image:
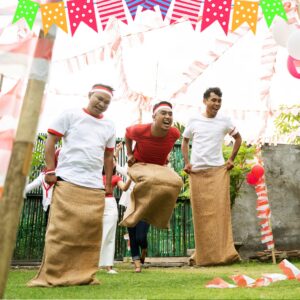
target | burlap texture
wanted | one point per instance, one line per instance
(73, 237)
(210, 199)
(154, 195)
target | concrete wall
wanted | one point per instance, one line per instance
(282, 170)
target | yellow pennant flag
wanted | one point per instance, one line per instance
(54, 13)
(245, 11)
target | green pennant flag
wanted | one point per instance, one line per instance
(26, 9)
(271, 8)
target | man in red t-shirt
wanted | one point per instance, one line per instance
(154, 141)
(147, 167)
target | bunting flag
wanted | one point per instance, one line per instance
(245, 11)
(163, 6)
(291, 271)
(272, 8)
(216, 10)
(189, 9)
(109, 8)
(26, 9)
(263, 209)
(81, 11)
(243, 280)
(10, 102)
(15, 57)
(54, 13)
(133, 5)
(219, 283)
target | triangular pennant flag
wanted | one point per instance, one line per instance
(133, 5)
(26, 9)
(273, 277)
(10, 102)
(272, 8)
(107, 9)
(81, 11)
(289, 269)
(245, 11)
(242, 280)
(54, 13)
(219, 283)
(216, 10)
(163, 5)
(189, 10)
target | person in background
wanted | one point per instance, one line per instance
(46, 188)
(110, 220)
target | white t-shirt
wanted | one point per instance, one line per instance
(85, 139)
(207, 136)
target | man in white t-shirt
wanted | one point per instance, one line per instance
(73, 237)
(210, 181)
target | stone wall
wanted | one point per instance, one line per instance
(282, 170)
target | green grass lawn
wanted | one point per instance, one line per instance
(159, 283)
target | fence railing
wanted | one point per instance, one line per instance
(162, 242)
(169, 242)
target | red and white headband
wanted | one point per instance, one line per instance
(162, 107)
(101, 89)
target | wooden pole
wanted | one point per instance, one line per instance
(11, 202)
(273, 250)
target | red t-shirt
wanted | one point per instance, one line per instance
(114, 181)
(151, 149)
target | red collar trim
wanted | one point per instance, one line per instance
(98, 117)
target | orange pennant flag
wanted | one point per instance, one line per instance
(245, 11)
(54, 13)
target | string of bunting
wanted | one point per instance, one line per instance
(69, 16)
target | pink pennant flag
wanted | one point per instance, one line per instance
(263, 281)
(274, 277)
(189, 9)
(264, 223)
(264, 214)
(81, 11)
(216, 10)
(10, 103)
(107, 9)
(267, 238)
(266, 230)
(270, 245)
(242, 280)
(219, 283)
(262, 207)
(290, 270)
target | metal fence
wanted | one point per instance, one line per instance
(168, 242)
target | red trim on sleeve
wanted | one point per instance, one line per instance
(52, 131)
(109, 149)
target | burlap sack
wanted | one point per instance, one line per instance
(154, 195)
(73, 237)
(210, 199)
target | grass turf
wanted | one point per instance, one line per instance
(159, 283)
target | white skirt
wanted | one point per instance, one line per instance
(110, 220)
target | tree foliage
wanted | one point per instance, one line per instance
(288, 123)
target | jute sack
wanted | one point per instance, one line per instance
(210, 199)
(154, 195)
(73, 237)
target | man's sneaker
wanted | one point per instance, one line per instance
(112, 272)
